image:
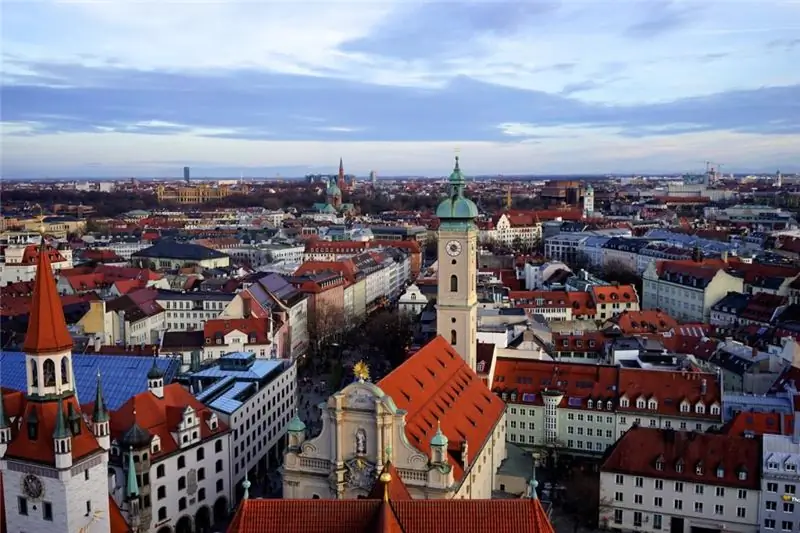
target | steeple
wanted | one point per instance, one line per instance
(100, 419)
(132, 492)
(439, 446)
(47, 330)
(246, 487)
(155, 379)
(340, 180)
(62, 439)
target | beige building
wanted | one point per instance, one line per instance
(433, 416)
(445, 441)
(509, 230)
(664, 480)
(687, 290)
(584, 409)
(198, 194)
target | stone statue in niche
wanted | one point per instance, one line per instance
(361, 442)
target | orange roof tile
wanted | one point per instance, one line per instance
(631, 322)
(605, 294)
(687, 456)
(436, 384)
(47, 329)
(116, 519)
(411, 516)
(670, 390)
(754, 423)
(161, 416)
(252, 327)
(40, 449)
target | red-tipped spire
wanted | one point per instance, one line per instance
(47, 329)
(341, 183)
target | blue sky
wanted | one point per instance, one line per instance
(120, 88)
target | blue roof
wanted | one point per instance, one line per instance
(259, 369)
(228, 403)
(123, 375)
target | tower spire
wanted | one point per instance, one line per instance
(340, 179)
(100, 413)
(47, 328)
(131, 485)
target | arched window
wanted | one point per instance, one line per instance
(49, 373)
(453, 337)
(453, 283)
(34, 374)
(64, 370)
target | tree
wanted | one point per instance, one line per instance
(616, 271)
(390, 334)
(326, 326)
(582, 500)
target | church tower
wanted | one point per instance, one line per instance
(457, 299)
(53, 468)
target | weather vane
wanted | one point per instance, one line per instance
(361, 371)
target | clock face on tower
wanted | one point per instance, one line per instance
(453, 248)
(32, 487)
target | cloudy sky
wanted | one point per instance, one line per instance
(260, 87)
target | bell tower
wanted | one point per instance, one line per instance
(457, 300)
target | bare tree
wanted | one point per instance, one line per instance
(582, 500)
(326, 326)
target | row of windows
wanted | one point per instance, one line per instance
(658, 484)
(47, 508)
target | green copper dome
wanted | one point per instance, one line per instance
(457, 206)
(296, 425)
(440, 439)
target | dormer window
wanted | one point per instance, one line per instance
(700, 409)
(715, 409)
(660, 463)
(590, 404)
(679, 466)
(720, 472)
(624, 402)
(772, 465)
(640, 403)
(609, 405)
(790, 466)
(685, 407)
(599, 405)
(742, 475)
(698, 469)
(652, 405)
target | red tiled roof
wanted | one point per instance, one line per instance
(41, 450)
(116, 519)
(436, 385)
(582, 303)
(670, 390)
(577, 381)
(605, 294)
(161, 416)
(258, 327)
(345, 267)
(586, 342)
(397, 489)
(408, 516)
(698, 455)
(754, 423)
(631, 322)
(47, 329)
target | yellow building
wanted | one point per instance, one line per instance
(197, 194)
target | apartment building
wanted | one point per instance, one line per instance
(568, 247)
(687, 290)
(512, 228)
(600, 301)
(623, 253)
(135, 318)
(189, 311)
(584, 409)
(19, 262)
(679, 481)
(779, 508)
(255, 398)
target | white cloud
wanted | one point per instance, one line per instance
(301, 38)
(339, 129)
(587, 151)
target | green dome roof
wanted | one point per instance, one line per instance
(457, 206)
(440, 439)
(296, 425)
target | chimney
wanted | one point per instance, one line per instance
(703, 387)
(98, 343)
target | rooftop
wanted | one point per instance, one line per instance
(123, 376)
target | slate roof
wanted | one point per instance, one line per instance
(175, 250)
(123, 376)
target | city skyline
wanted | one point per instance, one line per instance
(130, 88)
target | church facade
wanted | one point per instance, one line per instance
(432, 417)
